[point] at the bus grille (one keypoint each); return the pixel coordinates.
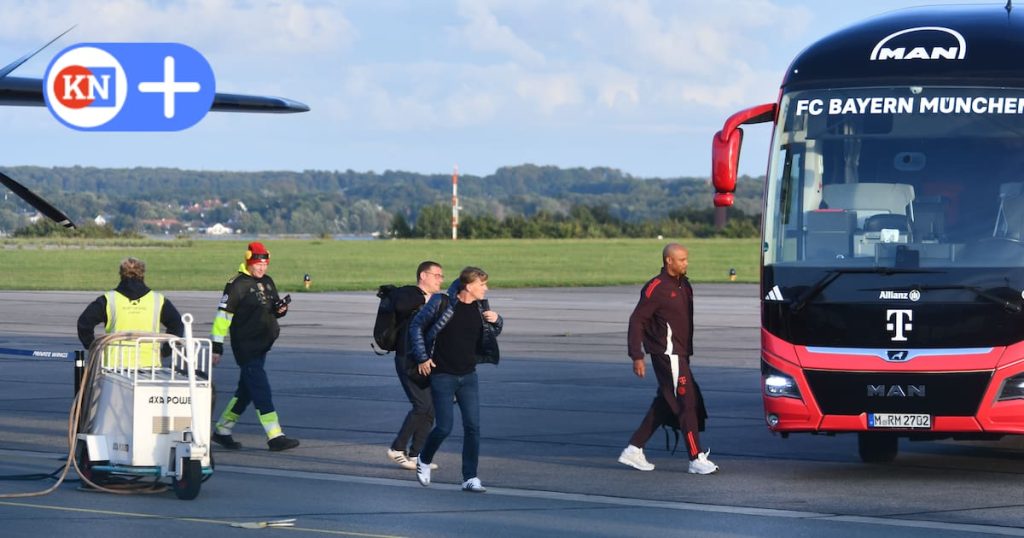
(853, 393)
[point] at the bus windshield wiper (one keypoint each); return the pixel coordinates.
(1009, 306)
(832, 274)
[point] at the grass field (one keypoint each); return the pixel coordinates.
(363, 265)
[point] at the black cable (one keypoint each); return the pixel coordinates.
(33, 476)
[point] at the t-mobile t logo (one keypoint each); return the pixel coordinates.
(899, 321)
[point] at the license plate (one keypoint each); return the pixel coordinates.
(899, 420)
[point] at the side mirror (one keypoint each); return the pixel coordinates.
(725, 150)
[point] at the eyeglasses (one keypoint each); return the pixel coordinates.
(438, 275)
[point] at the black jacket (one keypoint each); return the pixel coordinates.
(433, 317)
(253, 323)
(407, 300)
(132, 288)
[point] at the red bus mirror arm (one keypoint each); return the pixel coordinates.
(725, 150)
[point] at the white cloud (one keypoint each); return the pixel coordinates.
(482, 32)
(618, 93)
(550, 92)
(209, 25)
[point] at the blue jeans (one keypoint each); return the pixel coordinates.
(253, 387)
(466, 391)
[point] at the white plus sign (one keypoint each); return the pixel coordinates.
(169, 87)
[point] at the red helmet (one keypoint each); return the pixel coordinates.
(256, 252)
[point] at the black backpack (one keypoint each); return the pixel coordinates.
(385, 328)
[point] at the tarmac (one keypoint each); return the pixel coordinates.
(555, 414)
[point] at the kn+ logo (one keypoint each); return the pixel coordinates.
(129, 87)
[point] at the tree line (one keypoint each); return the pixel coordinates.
(581, 222)
(515, 201)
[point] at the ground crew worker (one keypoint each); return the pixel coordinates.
(249, 310)
(130, 307)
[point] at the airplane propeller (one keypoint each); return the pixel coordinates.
(6, 70)
(30, 197)
(35, 201)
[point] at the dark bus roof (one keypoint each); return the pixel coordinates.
(991, 41)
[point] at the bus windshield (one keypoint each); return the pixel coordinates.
(905, 177)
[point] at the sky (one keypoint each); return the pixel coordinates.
(424, 85)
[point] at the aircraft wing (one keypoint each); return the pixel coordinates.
(21, 91)
(233, 102)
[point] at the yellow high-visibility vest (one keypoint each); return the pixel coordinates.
(126, 315)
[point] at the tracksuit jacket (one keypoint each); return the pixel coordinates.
(663, 318)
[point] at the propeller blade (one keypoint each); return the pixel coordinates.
(35, 201)
(6, 70)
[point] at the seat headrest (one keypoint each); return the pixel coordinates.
(876, 223)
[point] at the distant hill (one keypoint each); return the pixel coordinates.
(325, 202)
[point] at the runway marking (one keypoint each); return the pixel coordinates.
(185, 519)
(638, 503)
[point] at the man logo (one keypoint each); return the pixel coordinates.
(129, 87)
(896, 391)
(937, 43)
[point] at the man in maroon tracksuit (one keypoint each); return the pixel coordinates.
(663, 322)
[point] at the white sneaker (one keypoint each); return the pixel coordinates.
(422, 473)
(473, 485)
(634, 457)
(399, 457)
(702, 465)
(416, 460)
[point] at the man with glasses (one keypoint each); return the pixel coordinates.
(405, 449)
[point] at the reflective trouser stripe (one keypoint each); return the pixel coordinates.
(271, 425)
(228, 418)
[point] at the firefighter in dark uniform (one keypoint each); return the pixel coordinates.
(249, 309)
(130, 307)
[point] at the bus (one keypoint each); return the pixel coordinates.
(892, 265)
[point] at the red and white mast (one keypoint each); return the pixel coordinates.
(455, 203)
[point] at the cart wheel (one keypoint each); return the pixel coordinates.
(877, 447)
(191, 478)
(86, 465)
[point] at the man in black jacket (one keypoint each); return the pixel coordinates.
(250, 308)
(131, 306)
(419, 420)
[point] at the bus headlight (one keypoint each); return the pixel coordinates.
(1013, 388)
(778, 384)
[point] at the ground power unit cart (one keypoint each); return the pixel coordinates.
(143, 415)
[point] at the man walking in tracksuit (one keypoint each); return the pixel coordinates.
(663, 322)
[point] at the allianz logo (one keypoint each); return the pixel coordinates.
(912, 295)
